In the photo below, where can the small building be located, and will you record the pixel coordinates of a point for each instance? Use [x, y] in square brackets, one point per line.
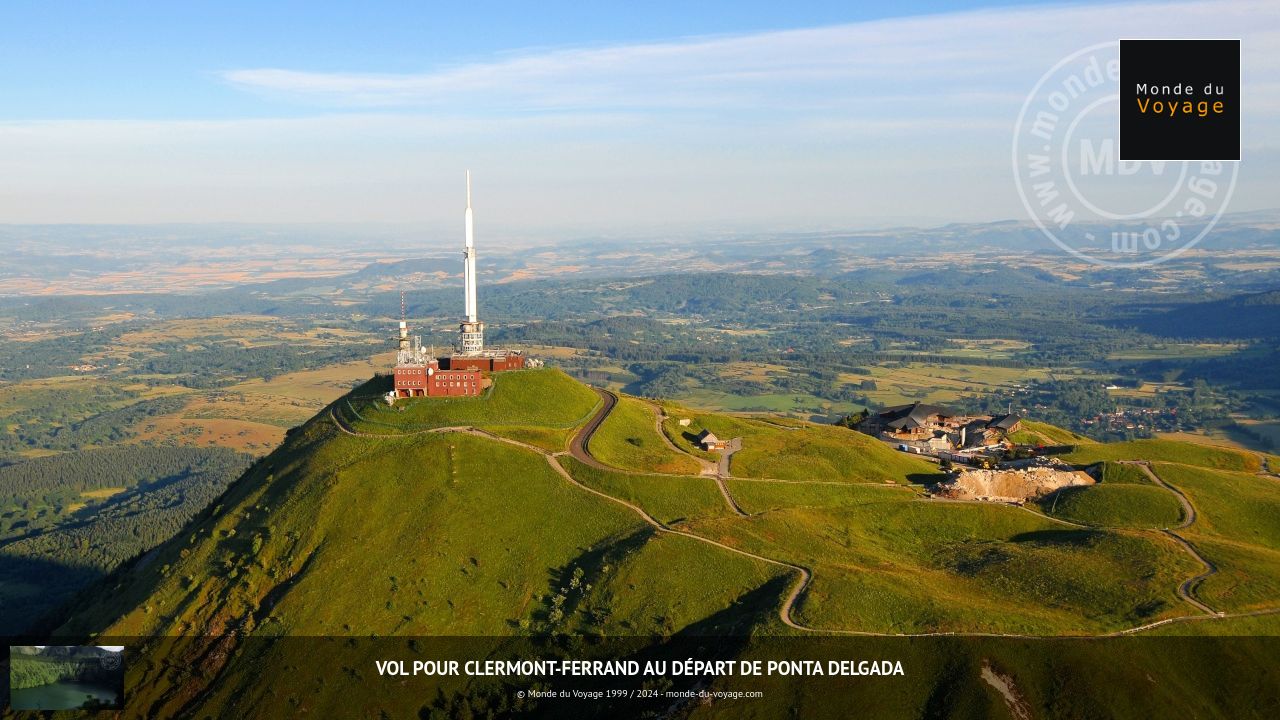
[707, 440]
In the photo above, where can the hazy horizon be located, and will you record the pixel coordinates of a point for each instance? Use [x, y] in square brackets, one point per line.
[830, 121]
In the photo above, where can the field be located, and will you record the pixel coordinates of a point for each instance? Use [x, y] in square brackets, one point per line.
[243, 435]
[801, 403]
[1176, 350]
[986, 348]
[627, 440]
[899, 383]
[219, 397]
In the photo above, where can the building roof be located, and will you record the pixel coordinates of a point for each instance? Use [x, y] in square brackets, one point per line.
[706, 436]
[907, 417]
[1004, 422]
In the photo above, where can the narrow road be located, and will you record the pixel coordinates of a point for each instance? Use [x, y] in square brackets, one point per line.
[731, 447]
[706, 467]
[1266, 469]
[803, 574]
[1188, 586]
[581, 439]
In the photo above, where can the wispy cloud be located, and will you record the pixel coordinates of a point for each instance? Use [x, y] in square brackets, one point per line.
[908, 119]
[954, 57]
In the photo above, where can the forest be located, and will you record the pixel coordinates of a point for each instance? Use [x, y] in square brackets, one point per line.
[69, 519]
[34, 670]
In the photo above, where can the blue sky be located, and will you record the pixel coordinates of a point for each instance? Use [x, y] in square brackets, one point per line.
[575, 117]
[148, 60]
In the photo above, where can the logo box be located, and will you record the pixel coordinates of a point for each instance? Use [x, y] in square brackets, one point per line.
[1180, 99]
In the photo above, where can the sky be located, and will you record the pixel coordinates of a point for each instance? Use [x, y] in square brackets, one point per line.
[574, 118]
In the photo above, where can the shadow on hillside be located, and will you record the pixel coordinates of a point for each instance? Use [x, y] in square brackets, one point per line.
[1075, 538]
[747, 612]
[35, 591]
[570, 581]
[926, 478]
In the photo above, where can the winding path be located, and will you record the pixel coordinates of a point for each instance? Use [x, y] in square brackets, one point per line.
[579, 447]
[722, 469]
[1188, 586]
[705, 466]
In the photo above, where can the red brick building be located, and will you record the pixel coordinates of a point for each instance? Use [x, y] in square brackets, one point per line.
[428, 380]
[490, 361]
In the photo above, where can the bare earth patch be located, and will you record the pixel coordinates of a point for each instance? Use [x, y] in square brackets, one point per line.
[1012, 486]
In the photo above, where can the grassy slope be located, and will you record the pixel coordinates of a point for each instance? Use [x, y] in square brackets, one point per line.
[883, 560]
[1033, 433]
[808, 452]
[411, 561]
[1166, 451]
[1114, 473]
[544, 398]
[1116, 505]
[880, 555]
[628, 439]
[1238, 529]
[343, 535]
[757, 496]
[668, 499]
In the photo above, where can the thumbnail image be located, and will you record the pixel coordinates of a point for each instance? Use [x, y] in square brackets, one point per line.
[66, 677]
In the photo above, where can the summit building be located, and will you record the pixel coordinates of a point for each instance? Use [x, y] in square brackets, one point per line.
[419, 373]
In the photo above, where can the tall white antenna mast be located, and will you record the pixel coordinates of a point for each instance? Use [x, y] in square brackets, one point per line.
[469, 258]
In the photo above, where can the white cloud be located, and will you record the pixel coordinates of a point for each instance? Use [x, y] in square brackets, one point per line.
[890, 120]
[961, 55]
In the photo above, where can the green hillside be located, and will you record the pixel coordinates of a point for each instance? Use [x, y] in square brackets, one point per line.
[373, 522]
[1238, 529]
[627, 440]
[1118, 505]
[800, 451]
[1168, 451]
[543, 398]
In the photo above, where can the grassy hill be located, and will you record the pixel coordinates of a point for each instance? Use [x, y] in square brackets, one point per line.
[627, 440]
[378, 528]
[793, 450]
[540, 407]
[1167, 451]
[1118, 505]
[1238, 529]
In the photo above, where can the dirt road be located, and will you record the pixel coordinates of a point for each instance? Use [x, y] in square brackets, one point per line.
[1188, 586]
[579, 448]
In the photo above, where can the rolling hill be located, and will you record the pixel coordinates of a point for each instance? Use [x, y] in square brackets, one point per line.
[529, 519]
